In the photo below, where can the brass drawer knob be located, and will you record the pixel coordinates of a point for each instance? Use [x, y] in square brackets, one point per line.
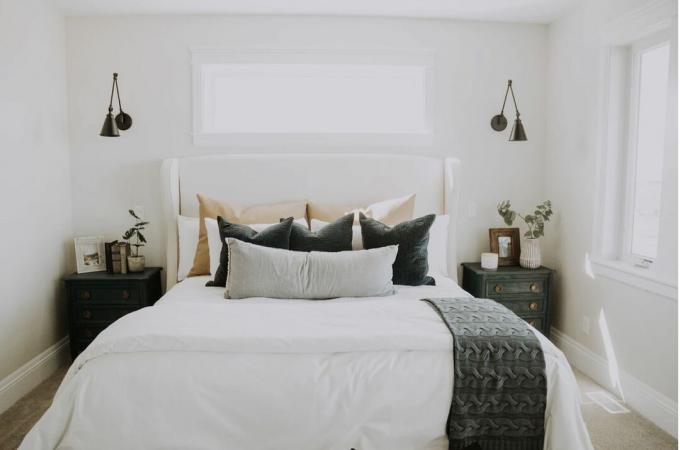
[126, 295]
[534, 287]
[533, 306]
[87, 314]
[85, 295]
[498, 288]
[532, 323]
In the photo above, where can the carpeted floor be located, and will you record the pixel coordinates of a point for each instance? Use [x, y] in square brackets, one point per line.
[626, 431]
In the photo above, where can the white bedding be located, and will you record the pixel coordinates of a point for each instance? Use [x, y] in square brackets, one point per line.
[197, 371]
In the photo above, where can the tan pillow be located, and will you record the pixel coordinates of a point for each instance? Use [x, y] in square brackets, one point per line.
[390, 212]
[211, 208]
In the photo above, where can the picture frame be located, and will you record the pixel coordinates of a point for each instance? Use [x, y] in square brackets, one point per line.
[90, 254]
[505, 242]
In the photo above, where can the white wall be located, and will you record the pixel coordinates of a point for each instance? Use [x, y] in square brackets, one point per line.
[643, 326]
[152, 55]
[34, 180]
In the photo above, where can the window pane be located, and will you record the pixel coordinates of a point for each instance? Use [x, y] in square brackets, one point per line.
[315, 98]
[651, 126]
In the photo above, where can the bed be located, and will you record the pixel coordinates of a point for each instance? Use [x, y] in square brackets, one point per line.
[197, 371]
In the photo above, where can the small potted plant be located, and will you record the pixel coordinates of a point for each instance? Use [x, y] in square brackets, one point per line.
[530, 255]
[135, 261]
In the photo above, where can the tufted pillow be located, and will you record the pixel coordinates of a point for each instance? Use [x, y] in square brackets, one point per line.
[256, 271]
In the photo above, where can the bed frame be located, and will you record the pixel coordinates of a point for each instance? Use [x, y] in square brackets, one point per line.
[329, 178]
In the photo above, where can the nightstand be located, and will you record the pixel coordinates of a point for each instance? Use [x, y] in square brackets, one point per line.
[526, 292]
[98, 299]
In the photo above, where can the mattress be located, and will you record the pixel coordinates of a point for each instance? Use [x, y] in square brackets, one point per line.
[201, 372]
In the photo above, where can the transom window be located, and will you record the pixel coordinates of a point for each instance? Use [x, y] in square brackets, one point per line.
[271, 95]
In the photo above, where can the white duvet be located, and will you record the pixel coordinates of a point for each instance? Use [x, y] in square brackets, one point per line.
[200, 372]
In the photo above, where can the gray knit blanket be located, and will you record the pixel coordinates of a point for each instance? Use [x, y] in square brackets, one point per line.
[499, 382]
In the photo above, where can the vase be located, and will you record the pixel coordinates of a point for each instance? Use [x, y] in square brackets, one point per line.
[530, 256]
[135, 263]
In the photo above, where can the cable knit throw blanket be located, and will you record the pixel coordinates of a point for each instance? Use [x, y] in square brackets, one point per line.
[499, 382]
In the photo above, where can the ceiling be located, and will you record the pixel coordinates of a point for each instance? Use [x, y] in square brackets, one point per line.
[528, 11]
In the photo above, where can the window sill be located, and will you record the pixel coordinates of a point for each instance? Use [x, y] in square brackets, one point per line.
[633, 276]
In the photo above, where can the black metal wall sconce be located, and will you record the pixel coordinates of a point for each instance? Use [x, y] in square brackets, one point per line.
[122, 121]
[499, 122]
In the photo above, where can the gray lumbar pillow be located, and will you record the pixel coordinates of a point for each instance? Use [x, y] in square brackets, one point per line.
[256, 271]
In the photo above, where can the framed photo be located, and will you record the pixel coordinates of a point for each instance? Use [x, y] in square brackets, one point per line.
[90, 255]
[505, 242]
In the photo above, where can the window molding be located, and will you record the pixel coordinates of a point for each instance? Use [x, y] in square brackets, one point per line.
[640, 278]
[614, 126]
[421, 58]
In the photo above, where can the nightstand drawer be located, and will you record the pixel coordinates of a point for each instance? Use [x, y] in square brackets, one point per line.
[126, 295]
[535, 322]
[523, 305]
[85, 314]
[515, 286]
[89, 332]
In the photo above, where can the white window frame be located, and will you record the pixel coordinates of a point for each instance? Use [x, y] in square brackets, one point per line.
[611, 252]
[204, 55]
[636, 50]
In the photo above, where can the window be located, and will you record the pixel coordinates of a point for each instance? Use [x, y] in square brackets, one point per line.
[256, 95]
[649, 102]
[636, 238]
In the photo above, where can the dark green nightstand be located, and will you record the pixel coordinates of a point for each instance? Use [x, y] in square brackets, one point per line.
[526, 292]
[98, 299]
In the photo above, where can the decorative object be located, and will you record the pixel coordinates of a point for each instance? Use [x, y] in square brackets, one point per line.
[528, 293]
[135, 261]
[90, 255]
[530, 257]
[118, 248]
[490, 261]
[122, 121]
[531, 249]
[499, 122]
[96, 300]
[505, 242]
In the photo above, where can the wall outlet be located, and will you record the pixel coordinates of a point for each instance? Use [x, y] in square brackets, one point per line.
[585, 325]
[472, 209]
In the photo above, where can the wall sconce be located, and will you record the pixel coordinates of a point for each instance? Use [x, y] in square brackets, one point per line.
[499, 122]
[122, 121]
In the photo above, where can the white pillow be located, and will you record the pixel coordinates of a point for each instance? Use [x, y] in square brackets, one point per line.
[437, 246]
[256, 271]
[215, 243]
[187, 235]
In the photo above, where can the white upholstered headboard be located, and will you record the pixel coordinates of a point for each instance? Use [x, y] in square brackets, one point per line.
[329, 178]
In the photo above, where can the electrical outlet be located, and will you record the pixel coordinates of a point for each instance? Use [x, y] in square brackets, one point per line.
[585, 325]
[472, 209]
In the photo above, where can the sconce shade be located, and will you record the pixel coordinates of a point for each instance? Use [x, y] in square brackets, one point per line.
[499, 122]
[122, 121]
[109, 129]
[517, 133]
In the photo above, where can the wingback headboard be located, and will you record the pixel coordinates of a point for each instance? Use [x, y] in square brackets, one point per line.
[329, 178]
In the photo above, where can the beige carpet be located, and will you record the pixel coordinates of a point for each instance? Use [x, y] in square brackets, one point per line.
[608, 431]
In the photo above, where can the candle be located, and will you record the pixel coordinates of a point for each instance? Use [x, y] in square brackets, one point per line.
[490, 261]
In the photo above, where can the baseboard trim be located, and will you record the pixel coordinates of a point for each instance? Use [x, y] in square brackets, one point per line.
[25, 378]
[648, 402]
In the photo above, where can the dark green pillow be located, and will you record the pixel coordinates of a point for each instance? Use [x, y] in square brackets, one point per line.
[334, 237]
[410, 267]
[275, 236]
